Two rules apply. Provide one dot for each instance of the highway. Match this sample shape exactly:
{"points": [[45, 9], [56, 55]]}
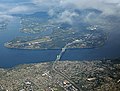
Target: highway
{"points": [[58, 58]]}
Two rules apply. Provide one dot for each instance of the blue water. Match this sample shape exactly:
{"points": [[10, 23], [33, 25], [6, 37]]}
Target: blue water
{"points": [[13, 57]]}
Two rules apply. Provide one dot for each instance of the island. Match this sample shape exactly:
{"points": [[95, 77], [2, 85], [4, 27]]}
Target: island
{"points": [[47, 32], [87, 37]]}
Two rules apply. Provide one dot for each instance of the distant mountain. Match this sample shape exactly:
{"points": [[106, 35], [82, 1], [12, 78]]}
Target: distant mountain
{"points": [[87, 11], [113, 18], [36, 14], [39, 14]]}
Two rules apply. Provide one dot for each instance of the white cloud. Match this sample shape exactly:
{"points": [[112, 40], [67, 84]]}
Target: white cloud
{"points": [[5, 17], [67, 16], [20, 9], [46, 3], [109, 7]]}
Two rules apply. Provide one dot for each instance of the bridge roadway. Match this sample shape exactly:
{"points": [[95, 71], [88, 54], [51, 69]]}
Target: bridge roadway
{"points": [[58, 59]]}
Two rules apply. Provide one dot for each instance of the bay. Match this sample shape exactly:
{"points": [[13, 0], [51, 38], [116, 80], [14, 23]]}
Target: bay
{"points": [[13, 57]]}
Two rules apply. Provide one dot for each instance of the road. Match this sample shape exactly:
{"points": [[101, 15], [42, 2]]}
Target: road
{"points": [[58, 59]]}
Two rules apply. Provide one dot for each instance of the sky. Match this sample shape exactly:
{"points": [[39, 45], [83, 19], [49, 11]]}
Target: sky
{"points": [[108, 7]]}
